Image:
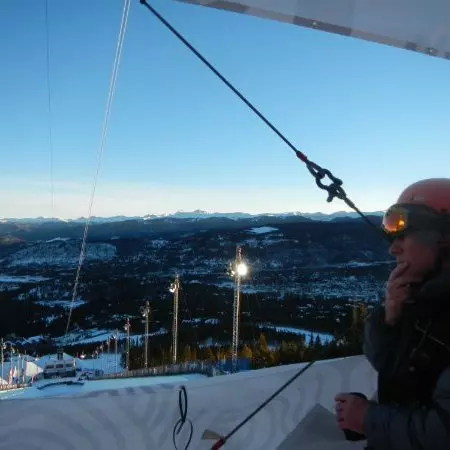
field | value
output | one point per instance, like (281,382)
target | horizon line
(194,212)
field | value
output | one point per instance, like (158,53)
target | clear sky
(377,116)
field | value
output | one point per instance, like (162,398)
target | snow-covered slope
(60,252)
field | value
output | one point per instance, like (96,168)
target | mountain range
(197,214)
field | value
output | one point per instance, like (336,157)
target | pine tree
(262,356)
(186,357)
(219,354)
(246,352)
(283,353)
(318,343)
(301,348)
(355,337)
(311,340)
(206,354)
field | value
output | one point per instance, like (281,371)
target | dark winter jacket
(413,364)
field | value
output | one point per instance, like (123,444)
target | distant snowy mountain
(197,214)
(33,220)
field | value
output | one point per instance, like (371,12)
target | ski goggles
(401,219)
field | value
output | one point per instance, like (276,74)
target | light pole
(12,352)
(127,328)
(94,355)
(3,347)
(238,269)
(18,367)
(101,357)
(24,369)
(175,288)
(108,345)
(146,314)
(116,337)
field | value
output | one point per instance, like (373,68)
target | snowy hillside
(302,274)
(59,252)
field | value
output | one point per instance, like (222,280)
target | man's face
(419,249)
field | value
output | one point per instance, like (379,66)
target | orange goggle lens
(395,220)
(400,219)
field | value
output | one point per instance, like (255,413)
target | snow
(298,331)
(21,279)
(360,264)
(58,239)
(158,243)
(66,253)
(62,303)
(26,363)
(262,230)
(108,362)
(197,320)
(86,336)
(28,340)
(199,214)
(101,335)
(91,386)
(141,413)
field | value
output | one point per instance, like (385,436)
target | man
(407,341)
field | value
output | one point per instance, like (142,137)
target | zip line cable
(49,107)
(334,189)
(116,64)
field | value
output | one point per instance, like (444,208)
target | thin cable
(334,189)
(216,72)
(221,442)
(116,64)
(49,106)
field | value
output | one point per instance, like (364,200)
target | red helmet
(433,192)
(422,205)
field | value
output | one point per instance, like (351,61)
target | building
(60,365)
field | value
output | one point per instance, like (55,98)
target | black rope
(334,189)
(179,424)
(221,442)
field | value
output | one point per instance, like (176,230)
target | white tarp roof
(419,25)
(143,418)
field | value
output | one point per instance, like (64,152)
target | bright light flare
(242,269)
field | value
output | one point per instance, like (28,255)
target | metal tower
(175,288)
(146,314)
(127,328)
(238,269)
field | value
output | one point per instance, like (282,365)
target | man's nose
(396,247)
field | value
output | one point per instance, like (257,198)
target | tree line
(259,353)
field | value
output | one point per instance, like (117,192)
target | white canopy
(419,25)
(138,418)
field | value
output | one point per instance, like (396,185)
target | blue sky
(180,140)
